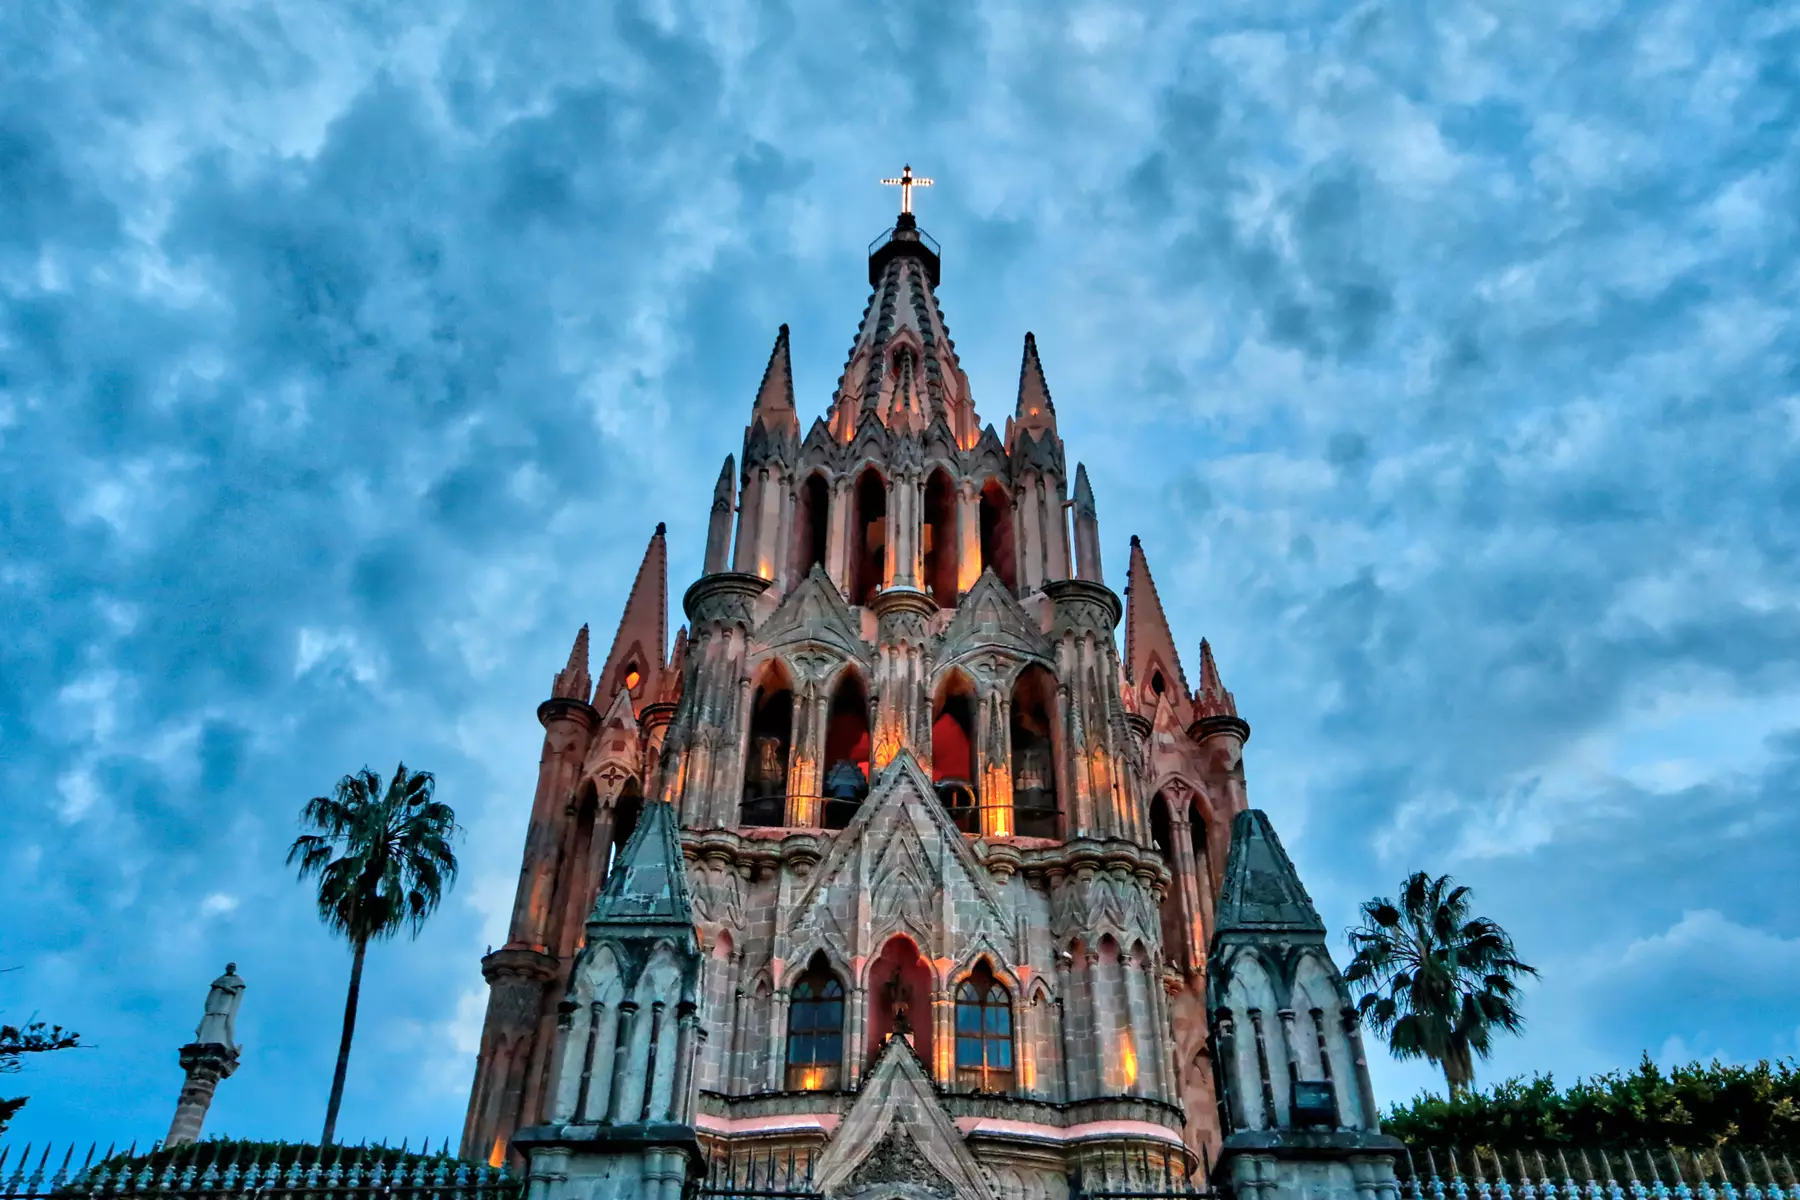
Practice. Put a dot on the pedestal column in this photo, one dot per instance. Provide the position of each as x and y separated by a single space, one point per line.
205 1063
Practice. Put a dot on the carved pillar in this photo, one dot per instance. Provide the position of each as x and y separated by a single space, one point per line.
1105 1023
778 1019
737 1074
855 1027
943 1036
621 1072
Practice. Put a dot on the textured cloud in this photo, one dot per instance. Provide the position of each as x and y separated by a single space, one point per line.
1444 356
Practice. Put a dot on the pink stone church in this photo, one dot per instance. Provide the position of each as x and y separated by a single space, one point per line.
934 867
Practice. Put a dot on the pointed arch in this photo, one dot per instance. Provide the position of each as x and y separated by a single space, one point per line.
953 715
939 538
847 726
814 1054
899 985
1036 811
996 529
984 1032
770 747
812 522
868 547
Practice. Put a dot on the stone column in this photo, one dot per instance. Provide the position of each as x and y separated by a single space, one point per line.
1063 963
621 1072
1100 1007
743 553
205 1063
778 1020
855 1031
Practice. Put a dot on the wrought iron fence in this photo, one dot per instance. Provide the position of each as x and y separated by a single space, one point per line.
277 1172
771 1177
1142 1178
1640 1174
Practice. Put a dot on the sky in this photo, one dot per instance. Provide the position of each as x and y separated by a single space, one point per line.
1443 353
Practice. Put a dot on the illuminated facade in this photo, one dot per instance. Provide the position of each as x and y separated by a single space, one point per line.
952 857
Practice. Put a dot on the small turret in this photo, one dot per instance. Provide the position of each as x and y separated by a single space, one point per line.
621 1115
718 526
1151 662
774 407
572 682
1292 1078
1087 529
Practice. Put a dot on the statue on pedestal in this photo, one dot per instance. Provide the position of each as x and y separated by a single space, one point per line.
210 1057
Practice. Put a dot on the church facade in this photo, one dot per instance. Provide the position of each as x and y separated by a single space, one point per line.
949 861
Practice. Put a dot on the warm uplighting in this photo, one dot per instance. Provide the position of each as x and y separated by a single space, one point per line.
498 1157
812 1079
1128 1060
632 679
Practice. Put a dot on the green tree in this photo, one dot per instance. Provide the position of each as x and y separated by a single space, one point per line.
1697 1108
16 1041
1433 980
383 862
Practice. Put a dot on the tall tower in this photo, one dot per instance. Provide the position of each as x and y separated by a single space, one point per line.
952 858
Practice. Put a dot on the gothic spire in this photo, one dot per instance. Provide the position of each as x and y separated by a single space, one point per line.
903 317
718 525
1149 648
1087 529
775 398
1212 700
572 681
643 631
1034 412
1262 893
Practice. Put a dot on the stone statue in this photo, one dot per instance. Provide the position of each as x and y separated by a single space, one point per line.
899 1000
219 1024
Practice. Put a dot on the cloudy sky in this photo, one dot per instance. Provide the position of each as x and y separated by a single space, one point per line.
1443 352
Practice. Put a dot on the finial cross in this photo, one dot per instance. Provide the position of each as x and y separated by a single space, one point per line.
906 183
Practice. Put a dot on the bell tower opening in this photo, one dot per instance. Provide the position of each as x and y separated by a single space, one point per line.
900 990
846 751
811 520
1035 810
953 750
997 533
771 739
1163 836
940 539
869 560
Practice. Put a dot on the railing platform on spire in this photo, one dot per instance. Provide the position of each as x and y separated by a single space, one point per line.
905 238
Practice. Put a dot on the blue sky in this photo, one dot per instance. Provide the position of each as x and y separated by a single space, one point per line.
1444 355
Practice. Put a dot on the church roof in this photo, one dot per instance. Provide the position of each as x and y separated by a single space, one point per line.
648 884
1262 893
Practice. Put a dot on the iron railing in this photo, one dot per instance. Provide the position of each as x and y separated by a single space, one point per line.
1030 814
275 1172
1142 1177
770 1177
1638 1174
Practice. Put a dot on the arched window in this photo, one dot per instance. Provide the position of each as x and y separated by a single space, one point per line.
766 762
811 519
939 536
846 751
815 1041
997 533
1035 811
868 554
1162 834
1202 858
984 1053
626 810
953 750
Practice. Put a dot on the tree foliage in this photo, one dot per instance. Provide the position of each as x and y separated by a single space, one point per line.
383 861
17 1041
1435 981
1697 1107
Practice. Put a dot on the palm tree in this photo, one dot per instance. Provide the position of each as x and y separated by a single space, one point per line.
1435 981
383 861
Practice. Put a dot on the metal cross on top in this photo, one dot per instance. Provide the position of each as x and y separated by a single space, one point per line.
906 183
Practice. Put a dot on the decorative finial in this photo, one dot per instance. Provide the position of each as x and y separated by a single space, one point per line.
906 183
661 528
